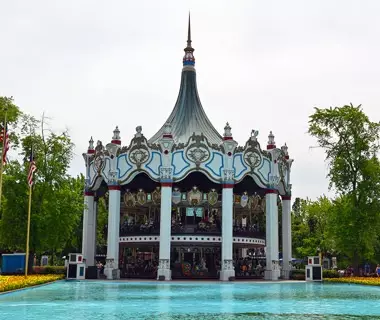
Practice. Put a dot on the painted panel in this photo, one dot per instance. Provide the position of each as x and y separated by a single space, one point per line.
216 164
239 166
92 173
123 166
153 166
179 163
106 168
264 170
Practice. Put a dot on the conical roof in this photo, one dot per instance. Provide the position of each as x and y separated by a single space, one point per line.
188 116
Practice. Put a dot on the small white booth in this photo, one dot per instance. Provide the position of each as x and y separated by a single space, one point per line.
76 267
313 269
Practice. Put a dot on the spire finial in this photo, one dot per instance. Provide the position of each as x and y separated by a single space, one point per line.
188 59
189 33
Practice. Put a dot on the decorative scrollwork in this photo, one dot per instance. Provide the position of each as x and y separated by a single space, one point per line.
166 173
275 265
228 265
112 177
228 175
99 162
139 156
274 181
252 158
198 154
164 264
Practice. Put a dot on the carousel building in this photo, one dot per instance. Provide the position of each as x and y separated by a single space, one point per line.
189 201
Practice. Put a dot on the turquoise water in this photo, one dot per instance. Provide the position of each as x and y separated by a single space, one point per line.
191 300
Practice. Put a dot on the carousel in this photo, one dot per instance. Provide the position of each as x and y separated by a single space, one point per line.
189 202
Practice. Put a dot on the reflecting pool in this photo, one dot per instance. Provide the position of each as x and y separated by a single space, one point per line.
191 300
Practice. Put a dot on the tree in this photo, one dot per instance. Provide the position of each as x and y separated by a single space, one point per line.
351 144
310 227
57 198
7 106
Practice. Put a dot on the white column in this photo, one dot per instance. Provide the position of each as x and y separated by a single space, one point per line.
272 271
164 271
286 235
113 232
227 235
89 229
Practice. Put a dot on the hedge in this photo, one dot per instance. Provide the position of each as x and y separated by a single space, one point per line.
300 274
49 270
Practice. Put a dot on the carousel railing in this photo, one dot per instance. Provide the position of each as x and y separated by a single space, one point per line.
139 271
200 228
138 229
248 232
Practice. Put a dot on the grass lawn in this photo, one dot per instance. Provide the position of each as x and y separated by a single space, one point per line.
8 283
356 280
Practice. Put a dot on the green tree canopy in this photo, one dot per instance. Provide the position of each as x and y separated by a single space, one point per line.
351 144
57 198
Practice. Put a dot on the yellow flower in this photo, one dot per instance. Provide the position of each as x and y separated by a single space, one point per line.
356 280
8 283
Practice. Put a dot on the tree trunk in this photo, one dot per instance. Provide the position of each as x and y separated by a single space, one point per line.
355 263
30 262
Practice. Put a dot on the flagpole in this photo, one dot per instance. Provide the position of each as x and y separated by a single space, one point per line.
28 232
2 156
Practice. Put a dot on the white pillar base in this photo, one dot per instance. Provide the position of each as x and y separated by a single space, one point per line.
164 272
112 274
225 275
110 270
285 274
272 271
227 271
272 275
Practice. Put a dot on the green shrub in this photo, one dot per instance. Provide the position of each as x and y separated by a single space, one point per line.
300 274
330 274
297 274
49 270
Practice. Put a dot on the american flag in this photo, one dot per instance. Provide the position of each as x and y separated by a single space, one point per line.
32 168
4 134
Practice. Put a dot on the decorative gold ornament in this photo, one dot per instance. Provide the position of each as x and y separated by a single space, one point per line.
156 196
141 197
194 196
212 197
129 199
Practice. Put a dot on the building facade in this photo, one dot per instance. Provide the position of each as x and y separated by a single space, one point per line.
196 198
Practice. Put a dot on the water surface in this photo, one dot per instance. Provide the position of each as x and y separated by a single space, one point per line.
95 300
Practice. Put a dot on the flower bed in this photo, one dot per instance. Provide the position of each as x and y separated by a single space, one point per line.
8 283
356 280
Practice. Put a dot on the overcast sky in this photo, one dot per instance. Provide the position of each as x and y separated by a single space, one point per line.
92 65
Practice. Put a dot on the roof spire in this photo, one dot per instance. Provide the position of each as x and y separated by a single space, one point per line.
188 59
189 34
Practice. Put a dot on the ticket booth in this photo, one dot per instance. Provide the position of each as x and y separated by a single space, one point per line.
76 267
313 269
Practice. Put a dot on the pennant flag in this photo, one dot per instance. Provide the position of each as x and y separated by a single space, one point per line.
4 138
32 168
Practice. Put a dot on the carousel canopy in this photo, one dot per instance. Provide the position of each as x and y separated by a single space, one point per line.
188 116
